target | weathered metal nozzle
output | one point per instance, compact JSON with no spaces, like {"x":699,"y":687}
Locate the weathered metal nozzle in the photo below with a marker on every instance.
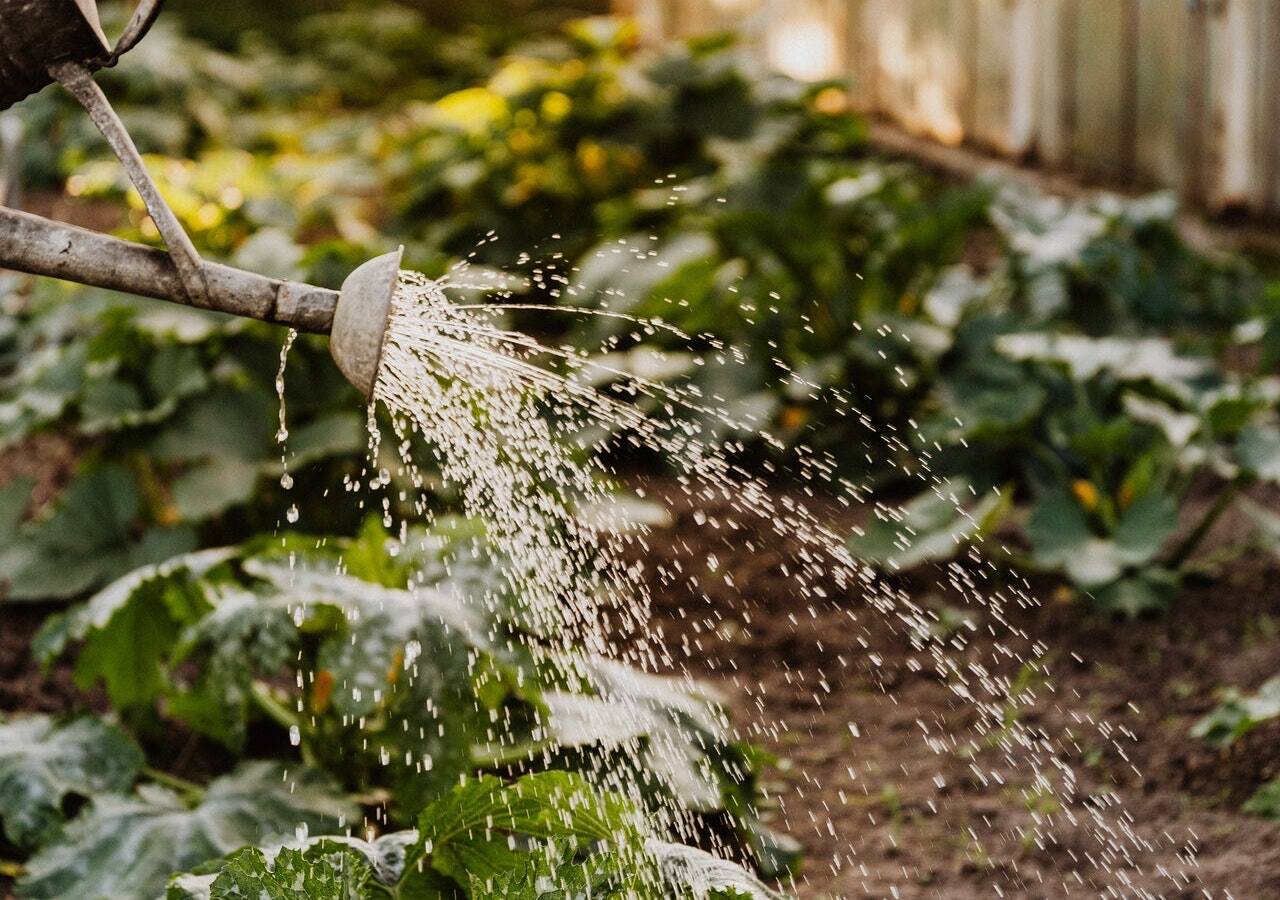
{"x":361,"y":319}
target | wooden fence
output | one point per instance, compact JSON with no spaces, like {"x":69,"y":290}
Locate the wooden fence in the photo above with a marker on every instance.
{"x":1183,"y":94}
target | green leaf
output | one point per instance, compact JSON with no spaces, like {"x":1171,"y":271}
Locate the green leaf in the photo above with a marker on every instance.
{"x":1150,"y":591}
{"x":14,"y":499}
{"x":1258,"y":451}
{"x":1265,"y":801}
{"x":1144,"y":527}
{"x":207,"y":490}
{"x":109,"y":404}
{"x":129,"y":627}
{"x":1130,"y":360}
{"x":42,"y":761}
{"x":86,"y":539}
{"x":322,"y":872}
{"x":1061,"y":538}
{"x":704,"y":875}
{"x":336,"y":434}
{"x":243,"y":637}
{"x":1238,"y":714}
{"x":128,"y":846}
{"x":466,"y":832}
{"x":931,"y":526}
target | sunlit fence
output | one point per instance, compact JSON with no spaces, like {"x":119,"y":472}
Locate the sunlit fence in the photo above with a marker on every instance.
{"x":1183,"y":94}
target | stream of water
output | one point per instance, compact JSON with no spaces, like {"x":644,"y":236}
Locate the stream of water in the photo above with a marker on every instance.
{"x":526,"y":437}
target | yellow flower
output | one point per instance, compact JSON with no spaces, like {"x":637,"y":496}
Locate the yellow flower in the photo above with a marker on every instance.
{"x":555,"y":106}
{"x":1085,"y":493}
{"x":831,"y":101}
{"x":521,"y":141}
{"x":592,"y":158}
{"x":473,"y":110}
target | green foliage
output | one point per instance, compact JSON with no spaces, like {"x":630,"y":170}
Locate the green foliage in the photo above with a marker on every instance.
{"x":542,"y":837}
{"x":1265,"y":801}
{"x":1237,"y":714}
{"x":44,"y":761}
{"x":930,"y":526}
{"x":128,"y":846}
{"x":402,"y":690}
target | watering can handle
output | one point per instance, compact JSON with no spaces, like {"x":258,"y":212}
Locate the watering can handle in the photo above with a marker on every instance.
{"x":136,"y":30}
{"x":78,"y":80}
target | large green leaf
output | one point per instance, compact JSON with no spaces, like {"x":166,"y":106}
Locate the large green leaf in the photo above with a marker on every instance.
{"x":1062,"y":537}
{"x":543,"y":837}
{"x":42,"y":761}
{"x":128,"y":846}
{"x":934,"y":525}
{"x":1146,"y":359}
{"x":467,"y":834}
{"x":322,"y":872}
{"x":130,"y":626}
{"x":1238,"y":714}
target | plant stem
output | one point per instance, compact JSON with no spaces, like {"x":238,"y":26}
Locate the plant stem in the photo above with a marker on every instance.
{"x":189,"y":789}
{"x":1192,"y":540}
{"x":274,"y":710}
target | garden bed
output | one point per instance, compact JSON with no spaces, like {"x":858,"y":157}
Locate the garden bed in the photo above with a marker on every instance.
{"x":1155,"y":678}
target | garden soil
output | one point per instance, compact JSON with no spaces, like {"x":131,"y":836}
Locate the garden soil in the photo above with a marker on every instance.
{"x":871,"y":800}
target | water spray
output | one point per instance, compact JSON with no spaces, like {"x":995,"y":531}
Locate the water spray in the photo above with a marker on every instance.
{"x":47,"y":41}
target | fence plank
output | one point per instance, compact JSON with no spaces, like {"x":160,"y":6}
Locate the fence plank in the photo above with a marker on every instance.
{"x":1099,"y":73}
{"x":1269,"y":109}
{"x":1163,"y":86}
{"x":991,"y":102}
{"x":1056,"y":94}
{"x":1178,"y":93}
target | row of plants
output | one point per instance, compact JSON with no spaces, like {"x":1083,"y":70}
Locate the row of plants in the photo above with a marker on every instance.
{"x":1067,"y":356}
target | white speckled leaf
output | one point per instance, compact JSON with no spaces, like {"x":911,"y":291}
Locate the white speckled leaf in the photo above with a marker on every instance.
{"x":128,"y":846}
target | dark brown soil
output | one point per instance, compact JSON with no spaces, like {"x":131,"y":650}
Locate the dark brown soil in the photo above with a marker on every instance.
{"x":874,"y":821}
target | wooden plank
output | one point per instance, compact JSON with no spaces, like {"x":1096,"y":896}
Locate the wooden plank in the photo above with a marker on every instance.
{"x":991,"y":106}
{"x":1096,"y":146}
{"x":1233,"y":66}
{"x":1025,"y":47}
{"x":1162,"y":91}
{"x":891,"y":39}
{"x":1056,"y":92}
{"x":860,"y":66}
{"x":938,"y":73}
{"x":1269,"y":110}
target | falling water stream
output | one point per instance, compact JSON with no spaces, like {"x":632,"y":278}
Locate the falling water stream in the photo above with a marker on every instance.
{"x":525,"y":436}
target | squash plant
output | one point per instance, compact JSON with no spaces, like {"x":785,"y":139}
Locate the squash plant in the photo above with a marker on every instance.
{"x":398,"y":667}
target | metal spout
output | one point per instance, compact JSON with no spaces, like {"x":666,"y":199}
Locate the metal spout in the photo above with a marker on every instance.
{"x":361,"y":319}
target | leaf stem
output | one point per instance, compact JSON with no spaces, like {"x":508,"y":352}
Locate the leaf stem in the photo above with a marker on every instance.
{"x":277,"y":712}
{"x":1189,"y":544}
{"x":188,"y":789}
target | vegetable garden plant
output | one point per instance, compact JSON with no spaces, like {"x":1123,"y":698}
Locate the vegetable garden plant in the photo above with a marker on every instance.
{"x":1060,"y":365}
